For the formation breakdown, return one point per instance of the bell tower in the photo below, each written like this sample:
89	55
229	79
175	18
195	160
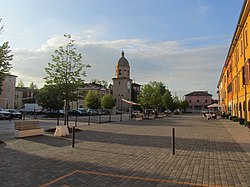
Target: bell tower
122	83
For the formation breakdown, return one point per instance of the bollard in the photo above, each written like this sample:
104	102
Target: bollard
89	120
173	141
100	118
73	136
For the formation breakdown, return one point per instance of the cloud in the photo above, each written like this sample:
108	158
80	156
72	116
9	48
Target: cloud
182	69
203	6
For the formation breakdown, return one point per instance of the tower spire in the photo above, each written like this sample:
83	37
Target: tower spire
122	53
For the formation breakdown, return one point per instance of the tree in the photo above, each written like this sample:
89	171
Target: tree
50	97
5	58
33	86
108	101
20	84
151	95
184	105
66	71
167	99
176	103
93	100
99	83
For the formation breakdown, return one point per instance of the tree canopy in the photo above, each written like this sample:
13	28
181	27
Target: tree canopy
5	58
50	97
66	71
93	100
108	101
151	95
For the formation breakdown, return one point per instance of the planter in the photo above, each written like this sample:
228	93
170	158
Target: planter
61	131
247	124
241	121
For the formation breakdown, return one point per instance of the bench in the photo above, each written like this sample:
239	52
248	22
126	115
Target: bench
27	128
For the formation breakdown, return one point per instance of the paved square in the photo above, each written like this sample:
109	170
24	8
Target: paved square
132	153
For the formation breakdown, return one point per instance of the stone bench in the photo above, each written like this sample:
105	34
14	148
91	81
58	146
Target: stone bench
27	128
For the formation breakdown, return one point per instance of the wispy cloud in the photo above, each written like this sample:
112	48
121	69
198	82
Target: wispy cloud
181	69
203	6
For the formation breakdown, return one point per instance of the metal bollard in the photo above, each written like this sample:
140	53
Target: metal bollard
173	141
73	136
89	120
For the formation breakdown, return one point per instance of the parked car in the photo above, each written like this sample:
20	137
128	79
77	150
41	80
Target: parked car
6	114
54	113
83	112
15	114
92	112
135	113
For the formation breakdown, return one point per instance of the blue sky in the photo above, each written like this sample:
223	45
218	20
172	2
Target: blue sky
182	43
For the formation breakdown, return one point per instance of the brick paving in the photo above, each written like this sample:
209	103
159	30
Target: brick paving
132	153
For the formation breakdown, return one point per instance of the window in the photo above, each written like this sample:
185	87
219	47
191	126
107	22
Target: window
190	101
241	47
198	101
246	37
120	71
206	101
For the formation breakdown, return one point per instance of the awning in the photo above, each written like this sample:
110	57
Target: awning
130	102
215	105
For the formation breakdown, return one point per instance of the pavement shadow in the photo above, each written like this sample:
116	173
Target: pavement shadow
50	140
189	144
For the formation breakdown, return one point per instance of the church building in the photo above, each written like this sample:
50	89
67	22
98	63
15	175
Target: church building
122	84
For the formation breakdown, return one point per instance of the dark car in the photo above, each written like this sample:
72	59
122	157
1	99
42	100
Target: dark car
54	113
5	114
15	114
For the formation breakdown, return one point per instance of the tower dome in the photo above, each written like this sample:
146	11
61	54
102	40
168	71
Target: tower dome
122	61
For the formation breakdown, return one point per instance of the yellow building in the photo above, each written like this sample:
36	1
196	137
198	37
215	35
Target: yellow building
234	82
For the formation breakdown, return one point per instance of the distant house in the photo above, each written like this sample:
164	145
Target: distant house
24	95
198	100
7	96
83	91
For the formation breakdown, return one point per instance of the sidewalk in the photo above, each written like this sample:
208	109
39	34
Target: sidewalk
240	133
132	153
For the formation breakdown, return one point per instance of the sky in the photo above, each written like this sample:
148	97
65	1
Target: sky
181	43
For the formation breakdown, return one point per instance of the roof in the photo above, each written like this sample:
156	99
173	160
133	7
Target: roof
123	61
199	93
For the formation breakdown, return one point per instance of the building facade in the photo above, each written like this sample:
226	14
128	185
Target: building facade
198	101
234	83
25	95
7	96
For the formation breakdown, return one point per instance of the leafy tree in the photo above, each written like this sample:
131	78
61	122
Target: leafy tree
50	97
184	105
151	95
66	70
108	101
20	84
176	103
167	99
99	83
5	58
33	86
93	100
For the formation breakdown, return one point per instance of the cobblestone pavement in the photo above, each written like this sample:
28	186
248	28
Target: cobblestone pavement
132	153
